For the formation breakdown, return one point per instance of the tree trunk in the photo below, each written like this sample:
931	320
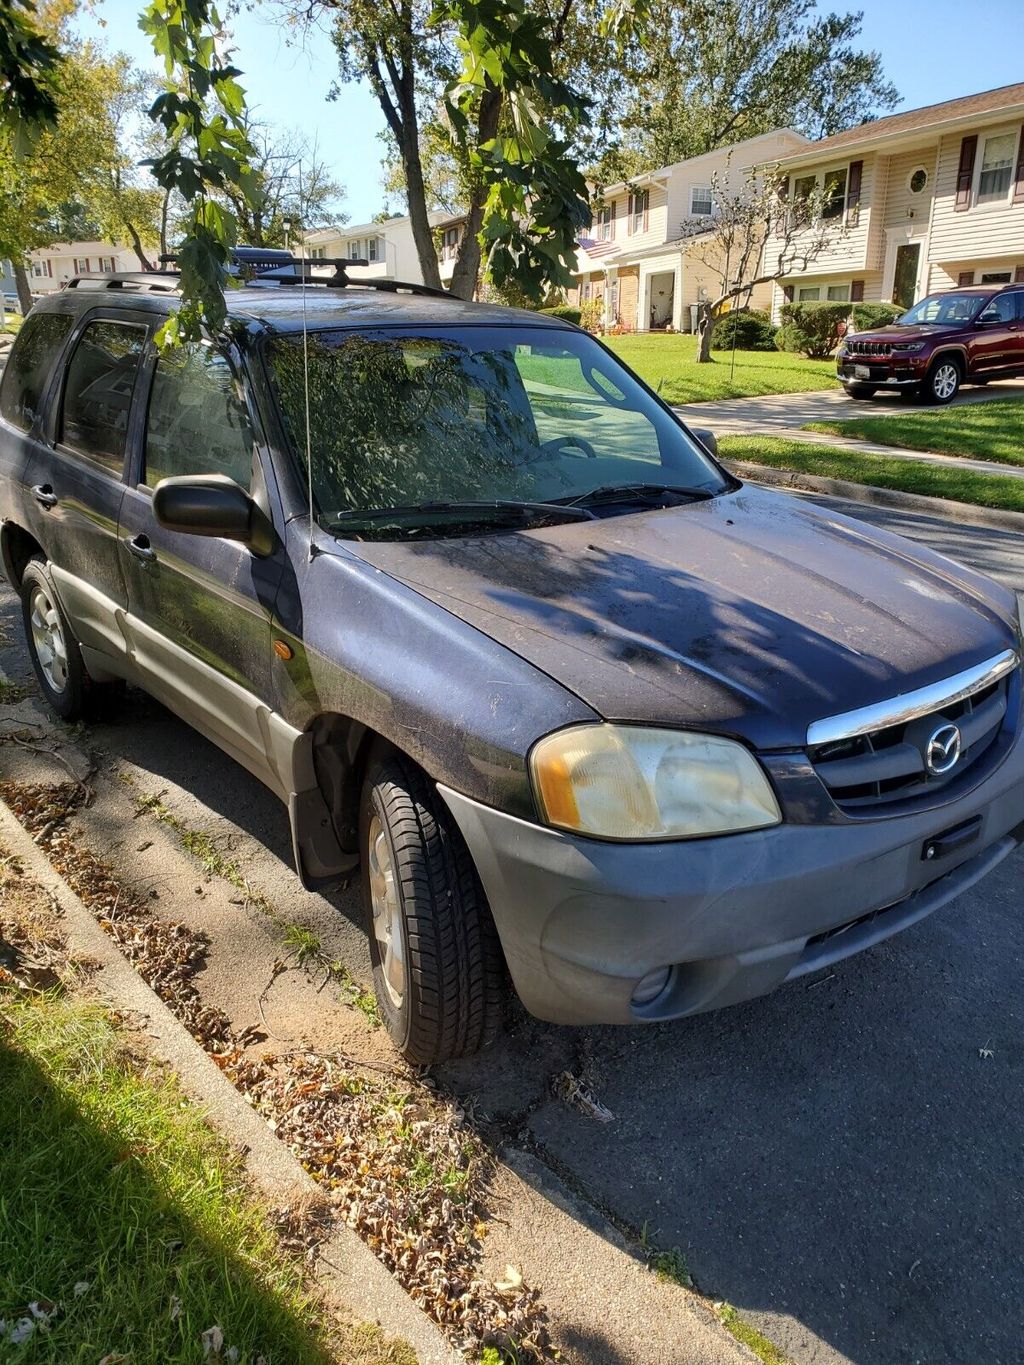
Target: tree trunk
137	247
416	195
165	209
24	288
705	326
467	263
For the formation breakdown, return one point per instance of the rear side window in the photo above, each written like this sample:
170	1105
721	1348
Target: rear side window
98	390
29	366
198	422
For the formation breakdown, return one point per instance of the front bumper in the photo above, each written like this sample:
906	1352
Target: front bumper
582	922
889	374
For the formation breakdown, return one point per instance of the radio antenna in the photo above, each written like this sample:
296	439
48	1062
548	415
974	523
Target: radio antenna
305	366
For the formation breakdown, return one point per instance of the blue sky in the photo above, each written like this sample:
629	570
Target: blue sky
932	50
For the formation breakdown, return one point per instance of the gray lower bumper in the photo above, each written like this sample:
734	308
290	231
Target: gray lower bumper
581	921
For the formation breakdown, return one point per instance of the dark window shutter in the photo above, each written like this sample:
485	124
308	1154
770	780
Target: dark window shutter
853	183
1018	179
857	291
1018	275
965	172
965	278
787	290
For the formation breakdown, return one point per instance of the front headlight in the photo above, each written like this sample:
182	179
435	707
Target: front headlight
631	782
906	347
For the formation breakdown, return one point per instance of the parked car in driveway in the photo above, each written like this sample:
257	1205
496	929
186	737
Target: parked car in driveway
964	336
576	704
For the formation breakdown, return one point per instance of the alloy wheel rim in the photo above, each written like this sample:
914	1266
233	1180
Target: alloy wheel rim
387	913
48	639
944	383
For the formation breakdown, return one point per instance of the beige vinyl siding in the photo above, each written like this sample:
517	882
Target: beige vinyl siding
850	249
983	229
657	221
946	274
902	206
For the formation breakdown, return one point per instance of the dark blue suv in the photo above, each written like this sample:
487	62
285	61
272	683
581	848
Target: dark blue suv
505	637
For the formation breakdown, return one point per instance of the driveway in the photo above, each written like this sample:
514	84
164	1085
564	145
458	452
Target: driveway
787	412
840	1161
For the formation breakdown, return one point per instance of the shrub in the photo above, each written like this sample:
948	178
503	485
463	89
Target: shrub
592	314
565	311
812	329
751	327
867	316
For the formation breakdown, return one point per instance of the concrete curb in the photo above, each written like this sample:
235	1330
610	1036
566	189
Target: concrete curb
346	1270
943	508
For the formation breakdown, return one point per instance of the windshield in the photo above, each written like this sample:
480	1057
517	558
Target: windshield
944	308
434	415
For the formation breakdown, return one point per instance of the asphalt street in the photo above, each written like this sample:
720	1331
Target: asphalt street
840	1161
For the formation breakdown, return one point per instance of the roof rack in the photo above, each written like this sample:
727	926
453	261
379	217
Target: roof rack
133	281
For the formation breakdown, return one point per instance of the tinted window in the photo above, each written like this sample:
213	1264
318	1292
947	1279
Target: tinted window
98	390
29	366
197	419
1001	309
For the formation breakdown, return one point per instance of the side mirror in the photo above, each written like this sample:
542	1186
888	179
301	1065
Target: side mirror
708	439
212	505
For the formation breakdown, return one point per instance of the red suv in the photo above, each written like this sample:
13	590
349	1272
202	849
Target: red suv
965	336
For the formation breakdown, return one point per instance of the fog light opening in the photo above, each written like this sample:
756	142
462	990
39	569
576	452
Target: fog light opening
650	987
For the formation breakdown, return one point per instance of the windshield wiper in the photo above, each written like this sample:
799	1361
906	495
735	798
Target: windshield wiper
507	508
636	492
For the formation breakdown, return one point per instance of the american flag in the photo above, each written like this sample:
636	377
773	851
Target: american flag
593	247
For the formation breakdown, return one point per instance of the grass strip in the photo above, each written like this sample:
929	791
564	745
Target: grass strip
978	431
905	476
127	1227
669	365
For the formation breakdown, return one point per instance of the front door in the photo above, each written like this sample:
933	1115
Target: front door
199	607
904	285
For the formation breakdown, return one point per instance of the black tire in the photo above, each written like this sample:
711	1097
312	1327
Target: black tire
860	390
452	977
64	682
942	383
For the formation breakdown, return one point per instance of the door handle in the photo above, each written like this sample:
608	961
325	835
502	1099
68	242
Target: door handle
140	547
44	495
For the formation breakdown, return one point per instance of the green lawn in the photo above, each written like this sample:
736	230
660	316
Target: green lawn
982	431
668	364
127	1223
908	476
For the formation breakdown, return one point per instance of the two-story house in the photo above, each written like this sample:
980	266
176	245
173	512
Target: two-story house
50	267
638	257
923	201
388	246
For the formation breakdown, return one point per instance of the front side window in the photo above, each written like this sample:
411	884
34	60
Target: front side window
98	390
29	366
996	168
197	423
945	309
483	413
1001	309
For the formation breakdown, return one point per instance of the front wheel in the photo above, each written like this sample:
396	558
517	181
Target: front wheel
943	382
438	970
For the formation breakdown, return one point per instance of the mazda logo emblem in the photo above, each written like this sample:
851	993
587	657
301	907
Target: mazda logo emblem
942	752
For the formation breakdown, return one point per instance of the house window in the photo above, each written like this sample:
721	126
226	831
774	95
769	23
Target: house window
701	204
317	253
838	293
371	249
81	265
808	293
833	203
42	270
605	224
106	265
996	277
638	202
353	251
918	180
996	168
451	243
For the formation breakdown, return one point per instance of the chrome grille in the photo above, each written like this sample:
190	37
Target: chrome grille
872	766
876	348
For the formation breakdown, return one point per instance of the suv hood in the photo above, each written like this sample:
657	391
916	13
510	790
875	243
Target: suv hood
923	331
752	614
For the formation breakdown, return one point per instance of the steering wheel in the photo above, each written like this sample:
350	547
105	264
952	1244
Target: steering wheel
568	443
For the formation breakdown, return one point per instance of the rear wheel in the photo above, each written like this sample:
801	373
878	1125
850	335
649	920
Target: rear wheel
943	381
55	654
861	390
438	970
